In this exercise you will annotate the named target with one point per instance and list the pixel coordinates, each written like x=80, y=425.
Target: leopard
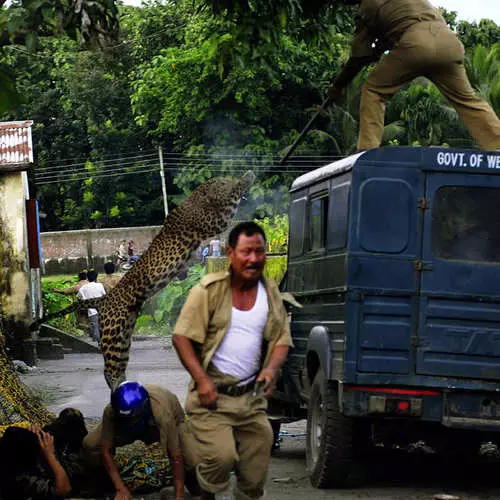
x=206, y=212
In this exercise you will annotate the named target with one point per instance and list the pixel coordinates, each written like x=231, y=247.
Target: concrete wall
x=15, y=279
x=68, y=252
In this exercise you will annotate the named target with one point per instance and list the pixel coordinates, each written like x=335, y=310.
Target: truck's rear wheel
x=329, y=447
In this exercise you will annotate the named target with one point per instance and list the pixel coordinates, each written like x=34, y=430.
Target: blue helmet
x=130, y=399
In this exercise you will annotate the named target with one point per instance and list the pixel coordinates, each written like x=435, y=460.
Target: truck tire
x=329, y=444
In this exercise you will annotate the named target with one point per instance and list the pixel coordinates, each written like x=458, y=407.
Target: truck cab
x=394, y=255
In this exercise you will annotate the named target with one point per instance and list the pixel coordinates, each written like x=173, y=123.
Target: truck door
x=385, y=243
x=459, y=317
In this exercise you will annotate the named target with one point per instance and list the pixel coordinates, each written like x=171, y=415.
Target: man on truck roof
x=420, y=44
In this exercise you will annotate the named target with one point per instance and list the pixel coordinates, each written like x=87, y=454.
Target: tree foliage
x=221, y=86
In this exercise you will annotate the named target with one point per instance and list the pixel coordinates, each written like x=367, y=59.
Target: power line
x=116, y=155
x=87, y=174
x=173, y=167
x=93, y=177
x=79, y=179
x=176, y=164
x=210, y=160
x=98, y=162
x=104, y=168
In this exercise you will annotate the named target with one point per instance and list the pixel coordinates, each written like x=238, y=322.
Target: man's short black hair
x=22, y=448
x=109, y=267
x=248, y=229
x=92, y=275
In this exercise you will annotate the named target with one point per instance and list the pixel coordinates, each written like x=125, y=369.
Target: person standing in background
x=92, y=290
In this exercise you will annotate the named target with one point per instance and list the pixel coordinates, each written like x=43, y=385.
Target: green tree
x=483, y=69
x=24, y=22
x=485, y=33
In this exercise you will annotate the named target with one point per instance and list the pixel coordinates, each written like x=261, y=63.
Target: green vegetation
x=221, y=85
x=159, y=313
x=53, y=302
x=275, y=266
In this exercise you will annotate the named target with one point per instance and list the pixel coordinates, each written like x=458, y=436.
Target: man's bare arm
x=269, y=374
x=107, y=452
x=178, y=473
x=207, y=391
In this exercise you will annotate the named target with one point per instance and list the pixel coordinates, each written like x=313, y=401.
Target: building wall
x=68, y=252
x=15, y=282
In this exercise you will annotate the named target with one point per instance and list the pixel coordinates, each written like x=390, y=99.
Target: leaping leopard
x=205, y=213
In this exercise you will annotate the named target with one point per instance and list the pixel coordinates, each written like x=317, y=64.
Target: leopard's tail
x=79, y=304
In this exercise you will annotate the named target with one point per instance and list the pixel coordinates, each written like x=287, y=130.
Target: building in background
x=20, y=295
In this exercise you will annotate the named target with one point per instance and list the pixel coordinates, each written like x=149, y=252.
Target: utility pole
x=163, y=185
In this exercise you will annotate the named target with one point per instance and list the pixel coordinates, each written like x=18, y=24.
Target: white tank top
x=239, y=352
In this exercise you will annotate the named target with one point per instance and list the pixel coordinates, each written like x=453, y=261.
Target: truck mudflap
x=454, y=409
x=471, y=410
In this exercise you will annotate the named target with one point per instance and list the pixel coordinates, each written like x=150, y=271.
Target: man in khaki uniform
x=420, y=44
x=110, y=280
x=232, y=335
x=137, y=413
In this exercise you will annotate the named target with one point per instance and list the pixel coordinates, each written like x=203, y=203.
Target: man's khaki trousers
x=427, y=49
x=235, y=437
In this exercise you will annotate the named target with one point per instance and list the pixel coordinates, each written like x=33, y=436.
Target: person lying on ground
x=30, y=468
x=138, y=413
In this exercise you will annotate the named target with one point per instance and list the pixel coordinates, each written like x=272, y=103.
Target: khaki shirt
x=162, y=427
x=110, y=281
x=386, y=21
x=206, y=316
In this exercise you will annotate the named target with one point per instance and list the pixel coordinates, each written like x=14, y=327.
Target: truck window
x=466, y=224
x=297, y=226
x=337, y=217
x=385, y=215
x=318, y=215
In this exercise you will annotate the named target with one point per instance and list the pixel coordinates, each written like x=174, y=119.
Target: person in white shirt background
x=92, y=290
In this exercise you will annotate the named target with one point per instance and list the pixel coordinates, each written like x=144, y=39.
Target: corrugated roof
x=16, y=146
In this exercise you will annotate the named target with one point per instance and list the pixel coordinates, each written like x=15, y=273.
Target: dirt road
x=78, y=381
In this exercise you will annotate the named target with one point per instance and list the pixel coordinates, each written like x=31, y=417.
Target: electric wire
x=85, y=174
x=95, y=177
x=99, y=162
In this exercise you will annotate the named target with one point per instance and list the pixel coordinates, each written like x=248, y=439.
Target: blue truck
x=394, y=255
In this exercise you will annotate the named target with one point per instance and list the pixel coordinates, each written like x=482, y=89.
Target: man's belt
x=234, y=390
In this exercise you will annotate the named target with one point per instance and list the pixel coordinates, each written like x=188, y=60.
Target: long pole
x=163, y=185
x=297, y=141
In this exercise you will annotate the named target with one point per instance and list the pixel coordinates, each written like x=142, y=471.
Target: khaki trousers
x=235, y=437
x=427, y=49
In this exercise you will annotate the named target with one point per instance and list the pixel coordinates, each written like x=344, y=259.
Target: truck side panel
x=384, y=249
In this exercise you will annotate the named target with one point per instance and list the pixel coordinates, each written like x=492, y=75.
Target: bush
x=54, y=302
x=160, y=312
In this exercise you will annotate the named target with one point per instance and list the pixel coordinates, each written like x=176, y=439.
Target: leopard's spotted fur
x=205, y=213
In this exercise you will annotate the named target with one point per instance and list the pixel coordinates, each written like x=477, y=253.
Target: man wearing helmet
x=233, y=337
x=419, y=44
x=138, y=413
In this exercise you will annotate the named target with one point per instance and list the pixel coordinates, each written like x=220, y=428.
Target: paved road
x=78, y=381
